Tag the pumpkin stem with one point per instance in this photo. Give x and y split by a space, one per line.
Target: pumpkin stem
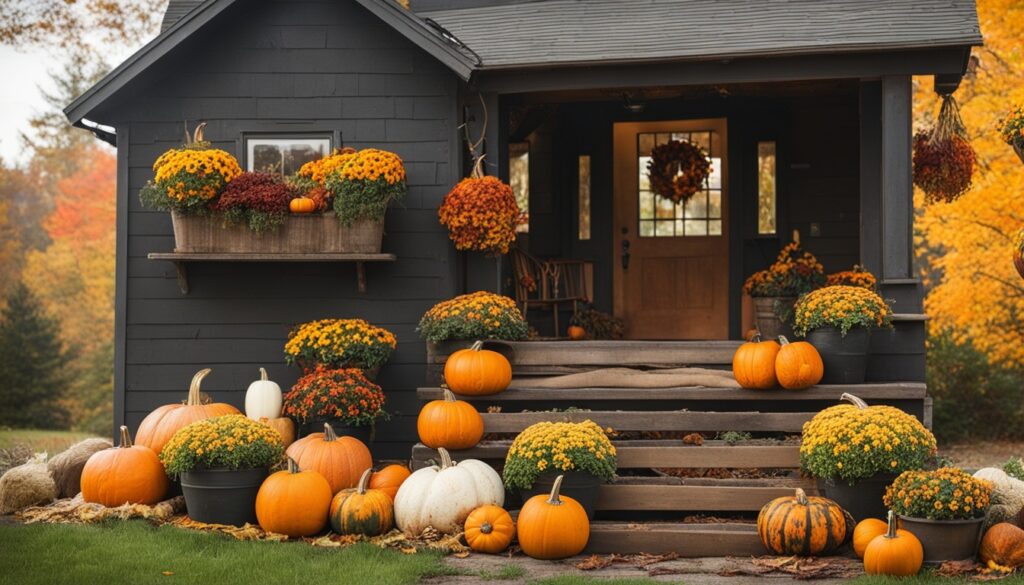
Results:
478 167
197 136
364 481
293 467
853 400
756 337
891 532
449 396
486 528
263 375
801 497
126 438
783 340
329 434
446 459
477 345
553 499
195 397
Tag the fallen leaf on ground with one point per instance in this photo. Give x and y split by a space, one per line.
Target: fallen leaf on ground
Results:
801 567
167 573
956 568
642 560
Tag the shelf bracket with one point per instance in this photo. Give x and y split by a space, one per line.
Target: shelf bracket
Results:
361 276
182 270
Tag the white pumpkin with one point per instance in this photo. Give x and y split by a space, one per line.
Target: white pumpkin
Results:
442 497
1007 495
263 398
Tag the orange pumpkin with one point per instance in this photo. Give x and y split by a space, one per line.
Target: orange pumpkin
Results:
897 553
126 474
802 525
293 502
489 529
1002 547
158 427
577 333
449 423
753 364
339 459
389 479
865 532
302 205
553 527
477 371
798 365
361 510
284 427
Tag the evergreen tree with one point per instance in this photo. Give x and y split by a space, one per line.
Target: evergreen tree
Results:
32 365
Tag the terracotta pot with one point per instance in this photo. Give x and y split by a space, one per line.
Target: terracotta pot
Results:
946 540
299 234
845 357
863 499
773 316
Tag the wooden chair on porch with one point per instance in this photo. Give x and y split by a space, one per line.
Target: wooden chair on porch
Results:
551 284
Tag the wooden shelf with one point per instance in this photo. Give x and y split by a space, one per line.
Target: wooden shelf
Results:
181 261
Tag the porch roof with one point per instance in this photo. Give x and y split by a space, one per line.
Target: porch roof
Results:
551 33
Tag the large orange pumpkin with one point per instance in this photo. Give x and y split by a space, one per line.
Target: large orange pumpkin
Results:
158 427
798 365
126 474
553 527
489 529
361 510
477 371
897 553
802 525
1002 547
339 459
449 423
865 532
753 364
389 479
293 502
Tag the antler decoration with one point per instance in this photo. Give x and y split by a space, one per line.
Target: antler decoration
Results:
475 146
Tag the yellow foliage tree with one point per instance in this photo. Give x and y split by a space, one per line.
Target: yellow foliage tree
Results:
964 247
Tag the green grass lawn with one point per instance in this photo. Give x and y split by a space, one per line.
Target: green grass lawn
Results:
52 442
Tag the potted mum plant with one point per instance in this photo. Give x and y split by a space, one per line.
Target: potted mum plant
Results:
579 452
340 343
837 321
457 323
361 187
775 290
222 462
855 451
857 276
945 509
1011 130
341 397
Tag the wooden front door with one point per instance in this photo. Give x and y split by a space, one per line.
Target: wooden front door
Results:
671 275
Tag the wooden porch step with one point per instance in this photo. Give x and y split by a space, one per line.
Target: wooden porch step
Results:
654 454
667 421
869 392
687 540
602 353
673 494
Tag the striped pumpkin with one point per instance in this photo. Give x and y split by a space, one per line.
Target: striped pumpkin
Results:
802 525
360 510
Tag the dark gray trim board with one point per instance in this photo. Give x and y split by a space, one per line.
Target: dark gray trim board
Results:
121 278
897 190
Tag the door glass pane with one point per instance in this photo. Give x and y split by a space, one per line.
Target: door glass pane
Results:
583 201
766 188
701 215
519 179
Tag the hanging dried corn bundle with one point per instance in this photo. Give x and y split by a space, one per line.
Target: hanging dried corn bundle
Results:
943 157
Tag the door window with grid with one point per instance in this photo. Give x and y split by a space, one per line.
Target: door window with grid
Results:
702 214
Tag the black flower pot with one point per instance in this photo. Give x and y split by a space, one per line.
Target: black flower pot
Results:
863 499
222 496
845 358
578 485
316 425
946 540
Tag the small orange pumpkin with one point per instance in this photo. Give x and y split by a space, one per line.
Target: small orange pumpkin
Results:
361 510
126 474
284 427
1002 547
449 423
577 333
158 426
477 371
293 502
489 529
865 532
897 553
798 365
302 205
553 527
753 364
339 459
389 479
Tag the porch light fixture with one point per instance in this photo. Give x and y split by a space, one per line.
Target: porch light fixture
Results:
633 107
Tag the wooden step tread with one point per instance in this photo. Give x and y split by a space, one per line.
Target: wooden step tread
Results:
673 494
869 392
600 353
687 540
670 420
656 454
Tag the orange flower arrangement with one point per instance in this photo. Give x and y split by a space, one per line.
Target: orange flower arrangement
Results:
842 307
318 170
856 277
365 183
947 493
344 394
481 214
479 315
189 178
795 272
677 170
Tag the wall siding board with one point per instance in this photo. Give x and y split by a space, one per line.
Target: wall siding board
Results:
296 66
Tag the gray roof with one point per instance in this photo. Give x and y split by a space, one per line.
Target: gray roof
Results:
175 10
564 32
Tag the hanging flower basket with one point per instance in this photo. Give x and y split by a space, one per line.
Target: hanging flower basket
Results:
677 170
1018 253
943 157
1011 130
481 213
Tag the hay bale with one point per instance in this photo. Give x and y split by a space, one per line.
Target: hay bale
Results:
66 468
26 485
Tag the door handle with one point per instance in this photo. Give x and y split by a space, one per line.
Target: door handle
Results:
625 253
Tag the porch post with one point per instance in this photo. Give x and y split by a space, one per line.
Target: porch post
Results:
871 176
897 190
485 273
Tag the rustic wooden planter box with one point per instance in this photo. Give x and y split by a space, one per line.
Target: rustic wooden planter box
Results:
300 234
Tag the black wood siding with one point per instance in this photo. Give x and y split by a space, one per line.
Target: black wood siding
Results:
286 67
